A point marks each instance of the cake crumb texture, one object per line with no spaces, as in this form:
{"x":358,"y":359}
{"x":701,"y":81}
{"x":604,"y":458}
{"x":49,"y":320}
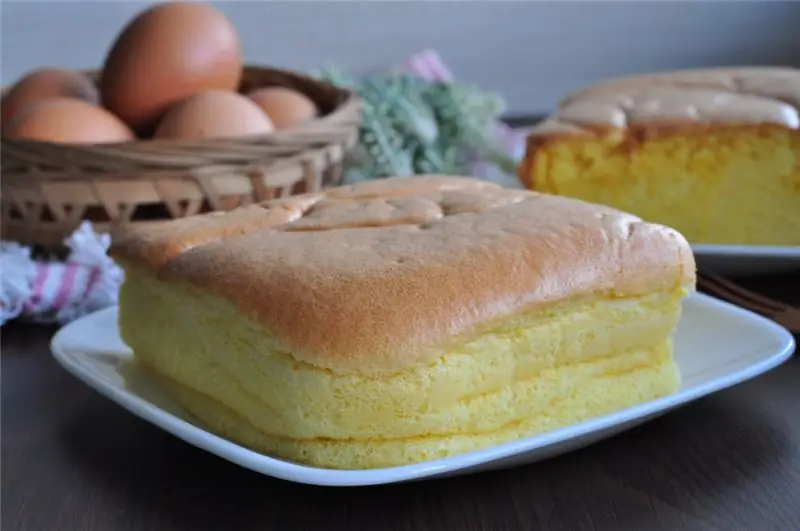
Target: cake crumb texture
{"x":531,"y":374}
{"x":714,"y":153}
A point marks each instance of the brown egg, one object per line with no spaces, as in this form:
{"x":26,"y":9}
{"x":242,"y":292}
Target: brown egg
{"x":284,"y":106}
{"x":214,"y":114}
{"x":44,"y":84}
{"x":166,"y":54}
{"x":68,"y":121}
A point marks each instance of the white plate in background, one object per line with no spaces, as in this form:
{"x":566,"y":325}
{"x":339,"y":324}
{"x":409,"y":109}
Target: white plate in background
{"x":717,"y":345}
{"x":743,"y":260}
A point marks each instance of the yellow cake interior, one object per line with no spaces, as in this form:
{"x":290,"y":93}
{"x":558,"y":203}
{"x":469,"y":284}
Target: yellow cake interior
{"x":543,"y":370}
{"x":727,"y":185}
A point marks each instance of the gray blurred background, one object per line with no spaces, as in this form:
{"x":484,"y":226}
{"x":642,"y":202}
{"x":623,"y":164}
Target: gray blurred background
{"x":531,"y":52}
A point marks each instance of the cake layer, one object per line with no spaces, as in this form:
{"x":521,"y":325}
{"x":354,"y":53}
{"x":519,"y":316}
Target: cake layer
{"x":481,"y":382}
{"x":603,"y":389}
{"x":732,"y":185}
{"x":381,"y":276}
{"x":714,"y":154}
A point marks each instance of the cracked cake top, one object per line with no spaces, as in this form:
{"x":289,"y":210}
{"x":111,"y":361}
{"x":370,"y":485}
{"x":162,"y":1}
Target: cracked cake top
{"x":378,"y":272}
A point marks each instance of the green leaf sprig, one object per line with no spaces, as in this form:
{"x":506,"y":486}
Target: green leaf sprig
{"x":412,"y":126}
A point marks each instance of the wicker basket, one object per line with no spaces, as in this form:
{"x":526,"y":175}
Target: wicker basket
{"x":48,"y":189}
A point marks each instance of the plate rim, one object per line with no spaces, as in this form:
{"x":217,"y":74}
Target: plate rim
{"x":289,"y":471}
{"x":755,"y":251}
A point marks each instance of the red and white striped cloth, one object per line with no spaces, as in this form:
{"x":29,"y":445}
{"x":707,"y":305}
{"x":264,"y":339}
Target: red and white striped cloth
{"x":56,"y":284}
{"x":59,"y":291}
{"x":89,"y":280}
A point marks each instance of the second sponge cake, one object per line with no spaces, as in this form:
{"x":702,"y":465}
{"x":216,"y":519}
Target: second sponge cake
{"x":713,"y":153}
{"x":404,"y":320}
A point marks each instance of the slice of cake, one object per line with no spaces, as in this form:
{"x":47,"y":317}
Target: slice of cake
{"x":713,"y":153}
{"x":404,"y":320}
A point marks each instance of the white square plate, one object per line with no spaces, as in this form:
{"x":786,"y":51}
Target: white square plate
{"x":717,"y":345}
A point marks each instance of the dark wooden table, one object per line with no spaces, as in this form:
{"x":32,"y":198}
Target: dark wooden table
{"x":74,"y":461}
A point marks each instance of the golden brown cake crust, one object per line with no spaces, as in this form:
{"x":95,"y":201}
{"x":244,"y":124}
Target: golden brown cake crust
{"x":685,"y":99}
{"x":376,"y":274}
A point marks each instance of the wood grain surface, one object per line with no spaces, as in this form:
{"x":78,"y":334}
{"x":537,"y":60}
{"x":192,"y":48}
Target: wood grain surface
{"x":74,"y":461}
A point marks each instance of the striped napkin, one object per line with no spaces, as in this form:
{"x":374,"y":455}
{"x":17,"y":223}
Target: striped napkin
{"x":48,"y":291}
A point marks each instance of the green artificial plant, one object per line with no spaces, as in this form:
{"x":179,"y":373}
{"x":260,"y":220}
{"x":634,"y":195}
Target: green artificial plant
{"x":413,"y":126}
